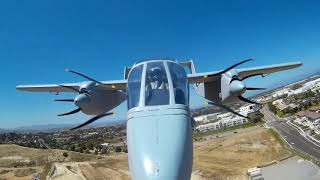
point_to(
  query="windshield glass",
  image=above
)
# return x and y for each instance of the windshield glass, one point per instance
(157, 87)
(180, 83)
(134, 86)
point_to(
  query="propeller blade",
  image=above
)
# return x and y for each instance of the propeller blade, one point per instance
(91, 120)
(227, 109)
(64, 100)
(235, 79)
(71, 112)
(89, 78)
(251, 88)
(233, 66)
(70, 87)
(248, 100)
(252, 75)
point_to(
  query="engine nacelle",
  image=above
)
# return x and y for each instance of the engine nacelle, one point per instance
(231, 87)
(223, 89)
(94, 100)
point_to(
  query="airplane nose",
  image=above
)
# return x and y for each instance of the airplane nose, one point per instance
(161, 151)
(237, 87)
(81, 100)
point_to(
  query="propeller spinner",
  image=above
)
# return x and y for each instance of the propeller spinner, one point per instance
(83, 98)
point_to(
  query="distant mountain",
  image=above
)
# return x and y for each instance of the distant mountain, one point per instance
(47, 128)
(3, 130)
(41, 128)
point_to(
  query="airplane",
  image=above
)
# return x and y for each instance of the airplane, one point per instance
(159, 123)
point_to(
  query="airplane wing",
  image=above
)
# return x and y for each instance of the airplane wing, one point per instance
(67, 87)
(265, 70)
(244, 72)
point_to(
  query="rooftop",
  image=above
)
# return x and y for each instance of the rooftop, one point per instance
(309, 114)
(315, 108)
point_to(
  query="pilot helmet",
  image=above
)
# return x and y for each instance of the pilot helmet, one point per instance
(156, 74)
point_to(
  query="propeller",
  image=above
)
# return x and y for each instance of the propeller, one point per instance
(92, 120)
(252, 88)
(227, 109)
(64, 100)
(248, 100)
(237, 87)
(89, 78)
(233, 66)
(96, 81)
(82, 91)
(71, 112)
(83, 97)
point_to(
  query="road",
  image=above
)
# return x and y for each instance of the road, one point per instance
(291, 135)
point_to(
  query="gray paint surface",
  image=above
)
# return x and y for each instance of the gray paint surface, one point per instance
(160, 143)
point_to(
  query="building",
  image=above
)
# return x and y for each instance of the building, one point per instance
(223, 120)
(264, 98)
(281, 93)
(245, 110)
(308, 118)
(255, 174)
(311, 85)
(280, 104)
(207, 118)
(223, 123)
(315, 109)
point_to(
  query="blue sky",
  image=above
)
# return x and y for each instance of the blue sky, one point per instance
(39, 39)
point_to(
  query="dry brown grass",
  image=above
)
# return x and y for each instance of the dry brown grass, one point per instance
(18, 162)
(227, 157)
(230, 157)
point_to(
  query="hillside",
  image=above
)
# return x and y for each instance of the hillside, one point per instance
(227, 156)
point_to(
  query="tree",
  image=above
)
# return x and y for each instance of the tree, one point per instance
(72, 147)
(118, 149)
(256, 117)
(90, 145)
(65, 154)
(272, 108)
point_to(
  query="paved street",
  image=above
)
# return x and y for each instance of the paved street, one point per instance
(291, 135)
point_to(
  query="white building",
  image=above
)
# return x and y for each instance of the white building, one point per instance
(281, 92)
(245, 110)
(199, 118)
(255, 174)
(206, 118)
(312, 85)
(224, 123)
(280, 104)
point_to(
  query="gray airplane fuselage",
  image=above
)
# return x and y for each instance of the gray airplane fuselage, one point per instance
(159, 132)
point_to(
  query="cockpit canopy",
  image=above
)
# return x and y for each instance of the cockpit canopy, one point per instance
(155, 83)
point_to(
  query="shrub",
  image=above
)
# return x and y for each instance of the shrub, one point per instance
(65, 154)
(118, 149)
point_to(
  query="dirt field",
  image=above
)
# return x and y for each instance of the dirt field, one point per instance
(22, 163)
(229, 157)
(226, 157)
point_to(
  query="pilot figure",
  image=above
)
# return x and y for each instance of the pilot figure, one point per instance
(156, 87)
(156, 79)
